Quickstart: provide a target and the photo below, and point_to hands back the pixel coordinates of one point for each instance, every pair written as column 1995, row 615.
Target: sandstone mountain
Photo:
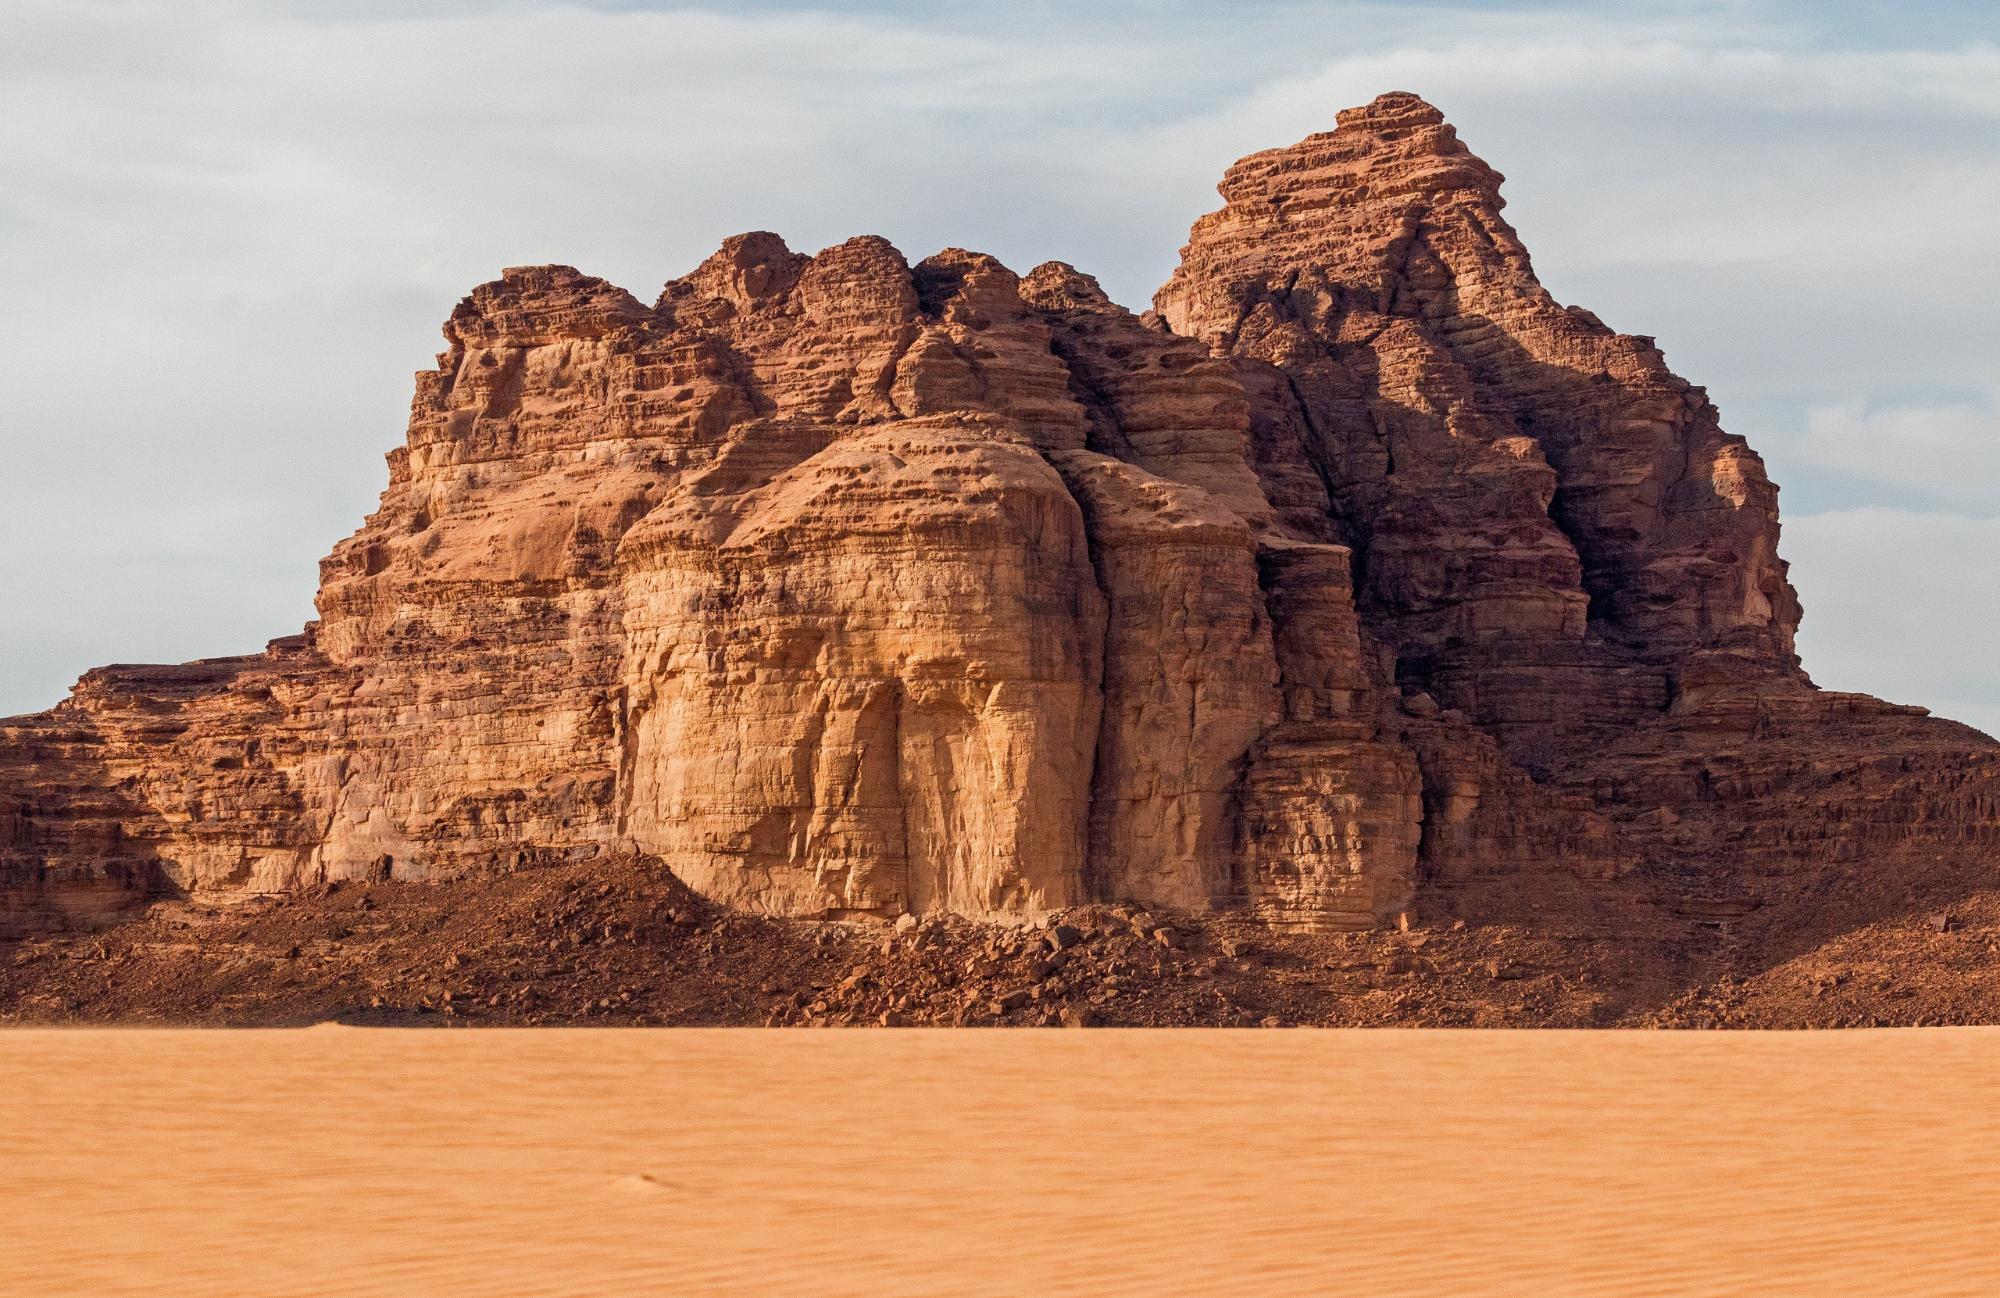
column 1357, row 579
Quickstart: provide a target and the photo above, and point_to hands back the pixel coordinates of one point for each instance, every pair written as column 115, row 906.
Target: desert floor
column 598, row 1161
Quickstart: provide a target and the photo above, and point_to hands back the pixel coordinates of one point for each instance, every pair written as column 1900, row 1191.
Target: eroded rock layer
column 1357, row 578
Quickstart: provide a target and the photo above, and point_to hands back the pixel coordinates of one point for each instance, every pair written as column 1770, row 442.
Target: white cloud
column 1947, row 453
column 1902, row 604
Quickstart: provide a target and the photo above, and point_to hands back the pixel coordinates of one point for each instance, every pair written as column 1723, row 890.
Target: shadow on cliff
column 1574, row 416
column 68, row 858
column 1839, row 816
column 1854, row 817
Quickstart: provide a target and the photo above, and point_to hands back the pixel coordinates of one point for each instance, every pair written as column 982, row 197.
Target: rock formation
column 1357, row 578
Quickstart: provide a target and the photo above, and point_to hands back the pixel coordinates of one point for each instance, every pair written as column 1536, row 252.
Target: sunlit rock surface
column 1357, row 578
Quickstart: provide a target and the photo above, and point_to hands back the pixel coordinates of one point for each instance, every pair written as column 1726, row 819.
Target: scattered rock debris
column 629, row 945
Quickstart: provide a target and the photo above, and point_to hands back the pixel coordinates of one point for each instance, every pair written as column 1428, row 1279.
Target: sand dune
column 597, row 1162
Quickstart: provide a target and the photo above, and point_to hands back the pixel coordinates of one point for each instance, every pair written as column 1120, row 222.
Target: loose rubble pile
column 625, row 945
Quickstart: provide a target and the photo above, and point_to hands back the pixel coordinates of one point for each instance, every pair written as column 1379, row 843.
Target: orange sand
column 590, row 1162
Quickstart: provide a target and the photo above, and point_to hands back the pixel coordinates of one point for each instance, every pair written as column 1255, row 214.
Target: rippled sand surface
column 346, row 1161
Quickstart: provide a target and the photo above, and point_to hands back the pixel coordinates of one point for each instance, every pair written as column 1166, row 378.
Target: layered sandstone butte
column 1359, row 577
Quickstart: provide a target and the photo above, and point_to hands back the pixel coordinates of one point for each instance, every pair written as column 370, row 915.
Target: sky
column 229, row 234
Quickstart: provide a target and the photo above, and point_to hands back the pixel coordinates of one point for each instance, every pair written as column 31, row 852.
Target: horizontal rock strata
column 1358, row 577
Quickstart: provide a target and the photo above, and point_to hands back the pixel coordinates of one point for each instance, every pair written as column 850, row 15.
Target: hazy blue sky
column 229, row 233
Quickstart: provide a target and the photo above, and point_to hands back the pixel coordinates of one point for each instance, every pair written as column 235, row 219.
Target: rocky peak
column 1524, row 485
column 1391, row 108
column 967, row 288
column 529, row 306
column 749, row 269
column 1340, row 212
column 1059, row 286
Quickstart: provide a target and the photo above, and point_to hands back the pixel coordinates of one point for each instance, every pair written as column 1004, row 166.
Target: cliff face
column 1358, row 577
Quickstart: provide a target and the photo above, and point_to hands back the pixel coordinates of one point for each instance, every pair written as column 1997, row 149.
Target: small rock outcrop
column 1357, row 578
